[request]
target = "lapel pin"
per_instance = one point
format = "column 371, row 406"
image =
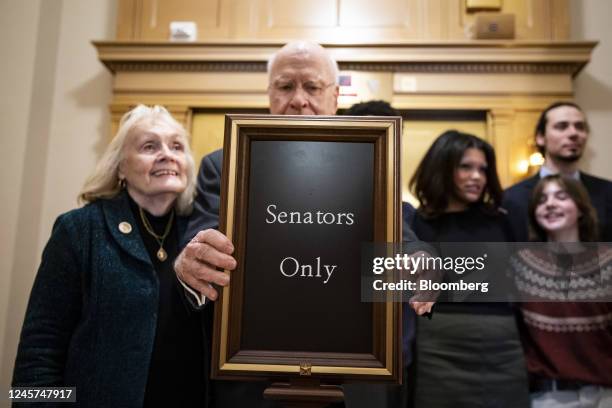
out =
column 125, row 227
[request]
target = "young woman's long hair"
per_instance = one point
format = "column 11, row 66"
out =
column 433, row 182
column 587, row 221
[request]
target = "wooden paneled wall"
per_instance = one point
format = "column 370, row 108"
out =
column 333, row 20
column 413, row 53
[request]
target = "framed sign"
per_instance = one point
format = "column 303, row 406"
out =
column 300, row 195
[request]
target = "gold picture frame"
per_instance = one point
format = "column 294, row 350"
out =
column 257, row 331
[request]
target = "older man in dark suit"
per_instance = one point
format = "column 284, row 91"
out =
column 561, row 135
column 302, row 80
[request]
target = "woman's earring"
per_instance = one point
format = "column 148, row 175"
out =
column 122, row 183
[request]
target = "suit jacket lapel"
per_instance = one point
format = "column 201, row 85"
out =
column 596, row 194
column 117, row 211
column 530, row 183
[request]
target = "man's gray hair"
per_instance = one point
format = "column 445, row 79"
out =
column 303, row 47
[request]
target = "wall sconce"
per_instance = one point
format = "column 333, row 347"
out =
column 529, row 165
column 536, row 159
column 523, row 167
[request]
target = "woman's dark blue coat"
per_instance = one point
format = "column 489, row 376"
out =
column 92, row 314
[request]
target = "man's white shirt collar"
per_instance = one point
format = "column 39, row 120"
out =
column 545, row 171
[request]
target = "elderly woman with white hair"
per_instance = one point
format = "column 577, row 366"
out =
column 106, row 313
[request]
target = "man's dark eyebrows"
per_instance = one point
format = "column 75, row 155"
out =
column 567, row 122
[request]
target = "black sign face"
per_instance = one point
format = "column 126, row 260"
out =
column 310, row 209
column 300, row 195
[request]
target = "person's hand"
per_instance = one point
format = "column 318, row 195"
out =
column 197, row 265
column 422, row 301
column 420, row 308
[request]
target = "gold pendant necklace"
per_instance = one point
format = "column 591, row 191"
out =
column 162, row 255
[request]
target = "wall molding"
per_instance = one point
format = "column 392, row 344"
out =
column 463, row 57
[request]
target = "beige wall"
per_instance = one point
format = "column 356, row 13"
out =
column 15, row 100
column 590, row 19
column 54, row 122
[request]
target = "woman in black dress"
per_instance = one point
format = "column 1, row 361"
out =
column 468, row 354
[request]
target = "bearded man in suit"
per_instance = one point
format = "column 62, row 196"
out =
column 561, row 135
